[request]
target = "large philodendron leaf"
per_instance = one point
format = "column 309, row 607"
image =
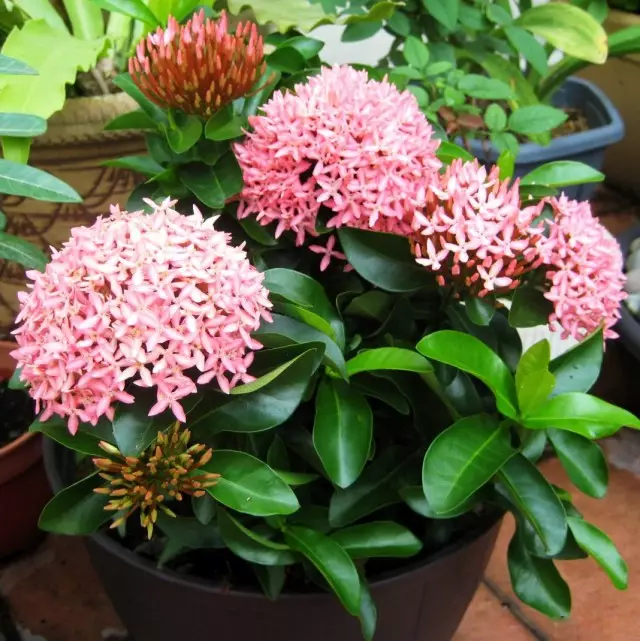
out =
column 305, row 15
column 57, row 57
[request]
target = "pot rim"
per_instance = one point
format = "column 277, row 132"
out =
column 485, row 524
column 16, row 444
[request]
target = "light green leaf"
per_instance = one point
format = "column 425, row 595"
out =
column 534, row 382
column 56, row 56
column 284, row 14
column 568, row 28
column 342, row 430
column 581, row 413
column 485, row 88
column 536, row 119
column 495, row 117
column 379, row 539
column 462, row 459
column 471, row 355
column 529, row 48
column 134, row 8
column 444, row 11
column 599, row 546
column 388, row 358
column 331, row 561
column 562, row 173
column 415, row 52
column 248, row 485
column 448, row 152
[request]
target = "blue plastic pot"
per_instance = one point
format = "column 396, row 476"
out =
column 605, row 128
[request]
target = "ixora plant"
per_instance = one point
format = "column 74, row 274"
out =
column 315, row 380
column 487, row 70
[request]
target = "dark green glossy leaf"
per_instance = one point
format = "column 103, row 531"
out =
column 204, row 508
column 384, row 260
column 144, row 165
column 124, row 82
column 56, row 429
column 342, row 430
column 271, row 578
column 225, row 125
column 448, row 152
column 599, row 546
column 537, row 582
column 529, row 308
column 249, row 545
column 462, row 459
column 368, row 612
column 378, row 539
column 536, row 500
column 77, row 510
column 308, row 294
column 583, row 461
column 265, row 403
column 284, row 331
column 413, row 496
column 479, row 310
column 376, row 488
column 577, row 369
column 183, row 137
column 331, row 561
column 137, row 119
column 471, row 355
column 248, row 485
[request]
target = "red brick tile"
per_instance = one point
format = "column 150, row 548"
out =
column 55, row 593
column 487, row 619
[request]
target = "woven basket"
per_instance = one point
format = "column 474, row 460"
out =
column 73, row 149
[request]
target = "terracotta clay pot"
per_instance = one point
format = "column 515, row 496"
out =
column 73, row 149
column 24, row 489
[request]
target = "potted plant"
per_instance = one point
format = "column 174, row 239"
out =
column 24, row 489
column 78, row 47
column 617, row 78
column 489, row 72
column 312, row 383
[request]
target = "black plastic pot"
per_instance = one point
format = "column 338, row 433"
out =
column 628, row 326
column 423, row 602
column 605, row 128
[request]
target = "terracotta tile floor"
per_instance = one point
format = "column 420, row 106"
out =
column 53, row 592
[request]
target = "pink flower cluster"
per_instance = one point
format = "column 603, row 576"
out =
column 473, row 233
column 138, row 299
column 357, row 147
column 584, row 270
